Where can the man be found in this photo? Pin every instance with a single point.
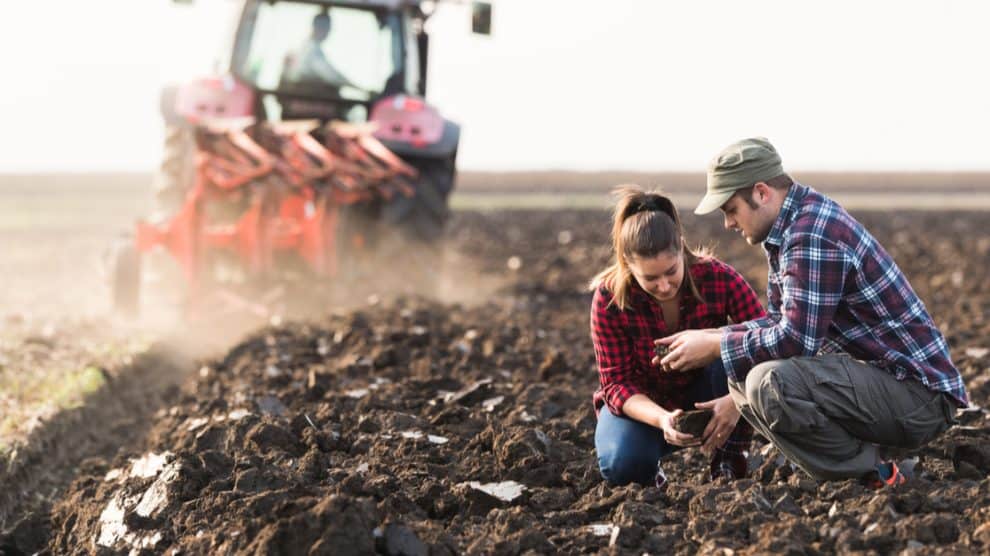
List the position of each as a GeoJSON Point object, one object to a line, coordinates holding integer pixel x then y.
{"type": "Point", "coordinates": [308, 64]}
{"type": "Point", "coordinates": [847, 358]}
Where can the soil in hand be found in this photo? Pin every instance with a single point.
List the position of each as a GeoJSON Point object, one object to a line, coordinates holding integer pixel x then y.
{"type": "Point", "coordinates": [693, 422]}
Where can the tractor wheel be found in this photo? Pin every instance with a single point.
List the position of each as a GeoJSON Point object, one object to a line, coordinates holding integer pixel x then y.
{"type": "Point", "coordinates": [125, 276]}
{"type": "Point", "coordinates": [423, 217]}
{"type": "Point", "coordinates": [413, 227]}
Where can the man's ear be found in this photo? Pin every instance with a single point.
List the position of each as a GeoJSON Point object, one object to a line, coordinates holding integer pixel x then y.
{"type": "Point", "coordinates": [761, 192]}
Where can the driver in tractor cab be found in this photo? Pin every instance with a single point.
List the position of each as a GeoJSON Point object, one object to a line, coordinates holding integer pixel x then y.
{"type": "Point", "coordinates": [308, 64]}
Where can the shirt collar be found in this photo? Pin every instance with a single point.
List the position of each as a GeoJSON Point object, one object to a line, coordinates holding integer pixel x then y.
{"type": "Point", "coordinates": [788, 211]}
{"type": "Point", "coordinates": [638, 294]}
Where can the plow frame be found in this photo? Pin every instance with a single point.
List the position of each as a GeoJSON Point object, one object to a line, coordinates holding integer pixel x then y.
{"type": "Point", "coordinates": [289, 187]}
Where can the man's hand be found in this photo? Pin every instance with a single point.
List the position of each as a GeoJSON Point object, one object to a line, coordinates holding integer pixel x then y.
{"type": "Point", "coordinates": [690, 349]}
{"type": "Point", "coordinates": [723, 421]}
{"type": "Point", "coordinates": [672, 435]}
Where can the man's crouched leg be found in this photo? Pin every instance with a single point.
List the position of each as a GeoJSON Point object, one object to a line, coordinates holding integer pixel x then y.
{"type": "Point", "coordinates": [805, 408]}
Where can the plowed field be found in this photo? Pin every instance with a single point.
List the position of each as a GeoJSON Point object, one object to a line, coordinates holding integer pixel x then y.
{"type": "Point", "coordinates": [408, 425]}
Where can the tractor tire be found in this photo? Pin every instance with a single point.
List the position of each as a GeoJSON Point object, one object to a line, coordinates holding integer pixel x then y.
{"type": "Point", "coordinates": [413, 228]}
{"type": "Point", "coordinates": [125, 276]}
{"type": "Point", "coordinates": [423, 217]}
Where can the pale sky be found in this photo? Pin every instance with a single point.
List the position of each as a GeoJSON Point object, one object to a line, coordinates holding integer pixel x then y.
{"type": "Point", "coordinates": [562, 84]}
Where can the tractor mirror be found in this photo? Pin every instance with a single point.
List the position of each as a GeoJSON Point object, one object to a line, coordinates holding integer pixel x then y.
{"type": "Point", "coordinates": [481, 18]}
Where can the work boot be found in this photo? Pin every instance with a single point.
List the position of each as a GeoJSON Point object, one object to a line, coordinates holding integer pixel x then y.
{"type": "Point", "coordinates": [886, 474]}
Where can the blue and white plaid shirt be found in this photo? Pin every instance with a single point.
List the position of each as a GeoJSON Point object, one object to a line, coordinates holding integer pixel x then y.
{"type": "Point", "coordinates": [833, 288]}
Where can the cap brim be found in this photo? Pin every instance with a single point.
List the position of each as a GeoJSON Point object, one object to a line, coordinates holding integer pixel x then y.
{"type": "Point", "coordinates": [712, 202]}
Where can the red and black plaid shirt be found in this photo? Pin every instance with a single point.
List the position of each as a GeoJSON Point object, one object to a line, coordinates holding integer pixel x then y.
{"type": "Point", "coordinates": [624, 339]}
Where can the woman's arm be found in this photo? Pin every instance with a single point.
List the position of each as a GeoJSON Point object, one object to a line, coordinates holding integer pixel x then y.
{"type": "Point", "coordinates": [618, 376]}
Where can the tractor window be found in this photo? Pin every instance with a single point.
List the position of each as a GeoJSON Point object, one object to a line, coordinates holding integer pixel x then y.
{"type": "Point", "coordinates": [413, 77]}
{"type": "Point", "coordinates": [306, 48]}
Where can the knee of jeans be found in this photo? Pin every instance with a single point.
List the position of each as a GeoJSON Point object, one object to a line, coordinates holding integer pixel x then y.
{"type": "Point", "coordinates": [623, 468]}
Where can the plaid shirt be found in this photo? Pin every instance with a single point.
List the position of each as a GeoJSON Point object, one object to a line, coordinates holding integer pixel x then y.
{"type": "Point", "coordinates": [833, 288]}
{"type": "Point", "coordinates": [623, 340]}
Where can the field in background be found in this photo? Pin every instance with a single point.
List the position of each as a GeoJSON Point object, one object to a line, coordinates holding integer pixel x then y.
{"type": "Point", "coordinates": [104, 203]}
{"type": "Point", "coordinates": [692, 183]}
{"type": "Point", "coordinates": [860, 190]}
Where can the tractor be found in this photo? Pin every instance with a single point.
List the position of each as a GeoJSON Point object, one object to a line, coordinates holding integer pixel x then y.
{"type": "Point", "coordinates": [312, 147]}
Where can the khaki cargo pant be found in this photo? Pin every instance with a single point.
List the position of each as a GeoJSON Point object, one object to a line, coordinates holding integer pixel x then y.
{"type": "Point", "coordinates": [827, 414]}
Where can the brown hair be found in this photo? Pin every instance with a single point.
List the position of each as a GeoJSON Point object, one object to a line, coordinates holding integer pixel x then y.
{"type": "Point", "coordinates": [780, 182]}
{"type": "Point", "coordinates": [644, 224]}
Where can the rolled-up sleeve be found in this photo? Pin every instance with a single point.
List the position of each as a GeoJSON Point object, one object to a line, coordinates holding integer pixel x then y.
{"type": "Point", "coordinates": [618, 376]}
{"type": "Point", "coordinates": [813, 275]}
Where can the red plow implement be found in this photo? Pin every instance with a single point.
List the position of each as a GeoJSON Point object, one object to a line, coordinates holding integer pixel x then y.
{"type": "Point", "coordinates": [263, 193]}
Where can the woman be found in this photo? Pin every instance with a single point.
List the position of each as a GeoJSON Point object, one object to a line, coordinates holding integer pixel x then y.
{"type": "Point", "coordinates": [655, 287]}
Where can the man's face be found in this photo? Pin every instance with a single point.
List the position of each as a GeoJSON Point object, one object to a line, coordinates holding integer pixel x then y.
{"type": "Point", "coordinates": [753, 223]}
{"type": "Point", "coordinates": [659, 276]}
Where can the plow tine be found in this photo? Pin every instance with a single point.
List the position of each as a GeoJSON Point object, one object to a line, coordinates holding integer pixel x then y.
{"type": "Point", "coordinates": [379, 151]}
{"type": "Point", "coordinates": [262, 158]}
{"type": "Point", "coordinates": [237, 160]}
{"type": "Point", "coordinates": [372, 173]}
{"type": "Point", "coordinates": [309, 144]}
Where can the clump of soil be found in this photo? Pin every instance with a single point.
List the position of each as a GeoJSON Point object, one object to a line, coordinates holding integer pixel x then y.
{"type": "Point", "coordinates": [693, 422]}
{"type": "Point", "coordinates": [410, 426]}
{"type": "Point", "coordinates": [661, 350]}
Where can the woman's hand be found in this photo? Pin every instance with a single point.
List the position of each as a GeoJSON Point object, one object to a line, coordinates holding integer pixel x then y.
{"type": "Point", "coordinates": [672, 435]}
{"type": "Point", "coordinates": [643, 409]}
{"type": "Point", "coordinates": [690, 349]}
{"type": "Point", "coordinates": [723, 421]}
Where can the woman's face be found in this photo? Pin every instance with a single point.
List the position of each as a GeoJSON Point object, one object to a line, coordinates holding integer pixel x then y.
{"type": "Point", "coordinates": [659, 276]}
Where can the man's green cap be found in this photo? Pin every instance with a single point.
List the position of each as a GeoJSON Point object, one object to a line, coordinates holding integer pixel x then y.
{"type": "Point", "coordinates": [739, 166]}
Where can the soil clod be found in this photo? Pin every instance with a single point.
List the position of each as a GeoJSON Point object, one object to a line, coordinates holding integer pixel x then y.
{"type": "Point", "coordinates": [693, 422]}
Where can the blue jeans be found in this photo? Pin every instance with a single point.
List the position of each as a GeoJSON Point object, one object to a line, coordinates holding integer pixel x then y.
{"type": "Point", "coordinates": [629, 451]}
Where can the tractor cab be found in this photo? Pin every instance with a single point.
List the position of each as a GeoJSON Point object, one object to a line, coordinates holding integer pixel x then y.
{"type": "Point", "coordinates": [328, 60]}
